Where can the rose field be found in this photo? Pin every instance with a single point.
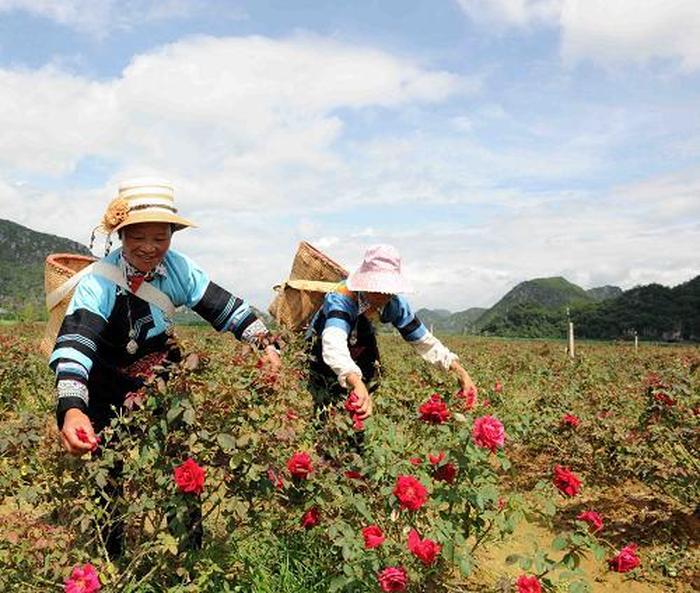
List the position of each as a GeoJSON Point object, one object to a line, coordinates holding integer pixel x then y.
{"type": "Point", "coordinates": [558, 475]}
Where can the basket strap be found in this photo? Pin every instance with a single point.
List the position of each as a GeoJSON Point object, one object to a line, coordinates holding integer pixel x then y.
{"type": "Point", "coordinates": [312, 285]}
{"type": "Point", "coordinates": [147, 292]}
{"type": "Point", "coordinates": [58, 294]}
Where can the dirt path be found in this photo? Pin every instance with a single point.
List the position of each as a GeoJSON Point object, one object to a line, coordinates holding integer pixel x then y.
{"type": "Point", "coordinates": [492, 565]}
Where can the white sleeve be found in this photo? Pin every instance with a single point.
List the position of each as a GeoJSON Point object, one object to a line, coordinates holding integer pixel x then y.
{"type": "Point", "coordinates": [432, 350]}
{"type": "Point", "coordinates": [336, 354]}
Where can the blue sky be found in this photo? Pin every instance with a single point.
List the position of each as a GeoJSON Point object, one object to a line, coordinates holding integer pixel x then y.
{"type": "Point", "coordinates": [492, 141]}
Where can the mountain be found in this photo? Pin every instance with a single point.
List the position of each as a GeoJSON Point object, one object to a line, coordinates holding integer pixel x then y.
{"type": "Point", "coordinates": [604, 293]}
{"type": "Point", "coordinates": [653, 311]}
{"type": "Point", "coordinates": [444, 321]}
{"type": "Point", "coordinates": [22, 255]}
{"type": "Point", "coordinates": [547, 293]}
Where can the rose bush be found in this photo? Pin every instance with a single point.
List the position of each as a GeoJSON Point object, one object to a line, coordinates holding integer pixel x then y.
{"type": "Point", "coordinates": [331, 518]}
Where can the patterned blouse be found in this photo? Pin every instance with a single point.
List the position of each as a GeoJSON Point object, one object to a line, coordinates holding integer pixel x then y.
{"type": "Point", "coordinates": [102, 318]}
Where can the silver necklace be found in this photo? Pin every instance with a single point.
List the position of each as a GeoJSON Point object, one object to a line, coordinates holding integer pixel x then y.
{"type": "Point", "coordinates": [132, 345]}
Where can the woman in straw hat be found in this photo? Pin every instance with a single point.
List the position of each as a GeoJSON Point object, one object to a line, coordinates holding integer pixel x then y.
{"type": "Point", "coordinates": [344, 353]}
{"type": "Point", "coordinates": [110, 335]}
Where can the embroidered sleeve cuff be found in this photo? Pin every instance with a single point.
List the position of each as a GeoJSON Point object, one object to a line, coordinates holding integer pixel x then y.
{"type": "Point", "coordinates": [257, 334]}
{"type": "Point", "coordinates": [71, 394]}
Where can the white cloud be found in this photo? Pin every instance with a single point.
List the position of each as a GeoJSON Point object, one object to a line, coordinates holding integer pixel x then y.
{"type": "Point", "coordinates": [101, 17]}
{"type": "Point", "coordinates": [246, 128]}
{"type": "Point", "coordinates": [606, 31]}
{"type": "Point", "coordinates": [631, 31]}
{"type": "Point", "coordinates": [512, 12]}
{"type": "Point", "coordinates": [235, 108]}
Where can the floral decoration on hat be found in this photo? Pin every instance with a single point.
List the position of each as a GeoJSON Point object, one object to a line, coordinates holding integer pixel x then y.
{"type": "Point", "coordinates": [116, 213]}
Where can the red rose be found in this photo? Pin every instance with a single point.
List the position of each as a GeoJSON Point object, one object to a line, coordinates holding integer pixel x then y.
{"type": "Point", "coordinates": [625, 560]}
{"type": "Point", "coordinates": [567, 482]}
{"type": "Point", "coordinates": [310, 518]}
{"type": "Point", "coordinates": [415, 460]}
{"type": "Point", "coordinates": [189, 477]}
{"type": "Point", "coordinates": [426, 550]}
{"type": "Point", "coordinates": [469, 397]}
{"type": "Point", "coordinates": [434, 410]}
{"type": "Point", "coordinates": [528, 584]}
{"type": "Point", "coordinates": [299, 465]}
{"type": "Point", "coordinates": [594, 520]}
{"type": "Point", "coordinates": [393, 578]}
{"type": "Point", "coordinates": [373, 536]}
{"type": "Point", "coordinates": [445, 473]}
{"type": "Point", "coordinates": [352, 405]}
{"type": "Point", "coordinates": [436, 459]}
{"type": "Point", "coordinates": [83, 438]}
{"type": "Point", "coordinates": [291, 414]}
{"type": "Point", "coordinates": [275, 478]}
{"type": "Point", "coordinates": [498, 387]}
{"type": "Point", "coordinates": [488, 433]}
{"type": "Point", "coordinates": [654, 381]}
{"type": "Point", "coordinates": [664, 399]}
{"type": "Point", "coordinates": [83, 579]}
{"type": "Point", "coordinates": [570, 420]}
{"type": "Point", "coordinates": [411, 493]}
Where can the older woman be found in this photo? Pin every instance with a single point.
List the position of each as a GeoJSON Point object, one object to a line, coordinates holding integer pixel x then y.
{"type": "Point", "coordinates": [344, 353]}
{"type": "Point", "coordinates": [117, 324]}
{"type": "Point", "coordinates": [109, 330]}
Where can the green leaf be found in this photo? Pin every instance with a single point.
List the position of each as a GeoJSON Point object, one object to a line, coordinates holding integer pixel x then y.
{"type": "Point", "coordinates": [168, 543]}
{"type": "Point", "coordinates": [598, 552]}
{"type": "Point", "coordinates": [173, 413]}
{"type": "Point", "coordinates": [338, 582]}
{"type": "Point", "coordinates": [578, 587]}
{"type": "Point", "coordinates": [560, 542]}
{"type": "Point", "coordinates": [550, 508]}
{"type": "Point", "coordinates": [361, 506]}
{"type": "Point", "coordinates": [465, 565]}
{"type": "Point", "coordinates": [189, 417]}
{"type": "Point", "coordinates": [571, 560]}
{"type": "Point", "coordinates": [226, 441]}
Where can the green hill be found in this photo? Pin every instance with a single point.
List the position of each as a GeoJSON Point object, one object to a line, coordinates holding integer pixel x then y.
{"type": "Point", "coordinates": [653, 311]}
{"type": "Point", "coordinates": [550, 294]}
{"type": "Point", "coordinates": [604, 293]}
{"type": "Point", "coordinates": [443, 321]}
{"type": "Point", "coordinates": [22, 255]}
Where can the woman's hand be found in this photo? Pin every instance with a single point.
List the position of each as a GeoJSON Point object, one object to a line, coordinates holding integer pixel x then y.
{"type": "Point", "coordinates": [77, 434]}
{"type": "Point", "coordinates": [364, 399]}
{"type": "Point", "coordinates": [465, 381]}
{"type": "Point", "coordinates": [271, 360]}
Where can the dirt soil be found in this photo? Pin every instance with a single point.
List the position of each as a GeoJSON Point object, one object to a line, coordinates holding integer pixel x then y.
{"type": "Point", "coordinates": [633, 513]}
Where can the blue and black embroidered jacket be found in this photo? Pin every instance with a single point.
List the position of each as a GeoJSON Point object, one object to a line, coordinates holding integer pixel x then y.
{"type": "Point", "coordinates": [92, 340]}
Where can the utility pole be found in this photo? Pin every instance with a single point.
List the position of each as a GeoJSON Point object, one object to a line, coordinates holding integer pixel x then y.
{"type": "Point", "coordinates": [636, 342]}
{"type": "Point", "coordinates": [571, 347]}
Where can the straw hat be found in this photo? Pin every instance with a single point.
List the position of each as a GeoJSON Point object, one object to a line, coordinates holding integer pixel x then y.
{"type": "Point", "coordinates": [380, 272]}
{"type": "Point", "coordinates": [143, 200]}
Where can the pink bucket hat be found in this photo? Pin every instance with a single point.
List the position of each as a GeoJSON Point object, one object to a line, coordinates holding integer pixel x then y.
{"type": "Point", "coordinates": [380, 272]}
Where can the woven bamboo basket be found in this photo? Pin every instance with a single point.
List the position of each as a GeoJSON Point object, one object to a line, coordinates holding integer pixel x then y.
{"type": "Point", "coordinates": [58, 268]}
{"type": "Point", "coordinates": [293, 307]}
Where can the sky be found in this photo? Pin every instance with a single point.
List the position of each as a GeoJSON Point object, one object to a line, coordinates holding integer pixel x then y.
{"type": "Point", "coordinates": [490, 141]}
